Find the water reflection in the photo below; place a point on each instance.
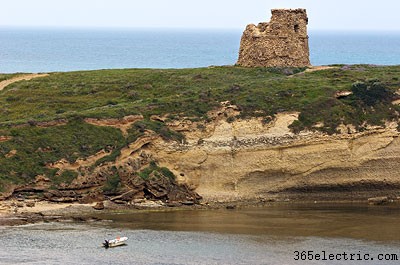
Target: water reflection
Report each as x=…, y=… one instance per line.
x=358, y=221
x=270, y=235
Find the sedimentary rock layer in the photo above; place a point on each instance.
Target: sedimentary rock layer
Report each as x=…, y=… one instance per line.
x=247, y=160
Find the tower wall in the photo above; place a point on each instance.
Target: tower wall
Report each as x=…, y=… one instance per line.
x=282, y=42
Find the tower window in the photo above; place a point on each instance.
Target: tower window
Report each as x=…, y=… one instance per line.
x=296, y=28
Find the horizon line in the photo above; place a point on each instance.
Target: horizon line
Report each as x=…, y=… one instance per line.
x=178, y=28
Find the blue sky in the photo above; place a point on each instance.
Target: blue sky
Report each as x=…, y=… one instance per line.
x=323, y=14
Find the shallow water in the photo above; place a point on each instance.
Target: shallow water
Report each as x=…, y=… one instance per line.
x=244, y=236
x=331, y=220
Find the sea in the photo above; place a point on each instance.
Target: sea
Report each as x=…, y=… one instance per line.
x=67, y=49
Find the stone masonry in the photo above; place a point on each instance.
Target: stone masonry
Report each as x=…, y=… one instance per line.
x=283, y=42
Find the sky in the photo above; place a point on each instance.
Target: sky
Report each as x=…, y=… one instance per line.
x=231, y=14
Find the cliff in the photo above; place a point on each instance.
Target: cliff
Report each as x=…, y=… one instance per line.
x=246, y=160
x=212, y=134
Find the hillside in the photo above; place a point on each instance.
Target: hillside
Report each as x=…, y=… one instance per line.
x=224, y=133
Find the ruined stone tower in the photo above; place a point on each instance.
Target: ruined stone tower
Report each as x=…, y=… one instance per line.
x=281, y=42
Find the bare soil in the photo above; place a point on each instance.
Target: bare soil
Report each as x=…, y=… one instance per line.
x=8, y=82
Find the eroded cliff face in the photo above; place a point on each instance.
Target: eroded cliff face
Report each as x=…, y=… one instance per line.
x=236, y=161
x=246, y=160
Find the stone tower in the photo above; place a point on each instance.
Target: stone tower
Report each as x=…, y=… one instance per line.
x=283, y=42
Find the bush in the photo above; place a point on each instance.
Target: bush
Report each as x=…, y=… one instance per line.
x=166, y=172
x=370, y=104
x=372, y=92
x=160, y=128
x=112, y=183
x=153, y=167
x=66, y=177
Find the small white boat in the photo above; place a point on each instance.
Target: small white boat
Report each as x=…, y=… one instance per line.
x=119, y=241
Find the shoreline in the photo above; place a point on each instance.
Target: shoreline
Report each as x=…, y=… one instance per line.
x=44, y=211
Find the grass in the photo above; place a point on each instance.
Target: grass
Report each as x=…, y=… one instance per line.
x=7, y=76
x=178, y=93
x=38, y=147
x=184, y=92
x=116, y=93
x=370, y=104
x=65, y=177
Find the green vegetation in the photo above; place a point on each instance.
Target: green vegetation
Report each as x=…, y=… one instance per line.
x=183, y=92
x=113, y=182
x=160, y=128
x=370, y=104
x=110, y=158
x=157, y=171
x=66, y=177
x=178, y=93
x=7, y=76
x=38, y=147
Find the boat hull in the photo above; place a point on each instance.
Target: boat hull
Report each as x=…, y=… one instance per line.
x=115, y=242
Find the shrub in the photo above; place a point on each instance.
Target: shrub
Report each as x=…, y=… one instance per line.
x=166, y=172
x=372, y=92
x=158, y=127
x=158, y=171
x=112, y=184
x=66, y=177
x=370, y=104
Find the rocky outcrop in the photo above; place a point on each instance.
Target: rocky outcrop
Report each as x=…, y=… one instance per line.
x=121, y=186
x=381, y=200
x=283, y=42
x=99, y=206
x=63, y=164
x=157, y=188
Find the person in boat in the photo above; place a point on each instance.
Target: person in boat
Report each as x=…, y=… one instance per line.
x=115, y=242
x=106, y=243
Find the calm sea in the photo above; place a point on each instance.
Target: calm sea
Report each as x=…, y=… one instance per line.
x=46, y=50
x=280, y=234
